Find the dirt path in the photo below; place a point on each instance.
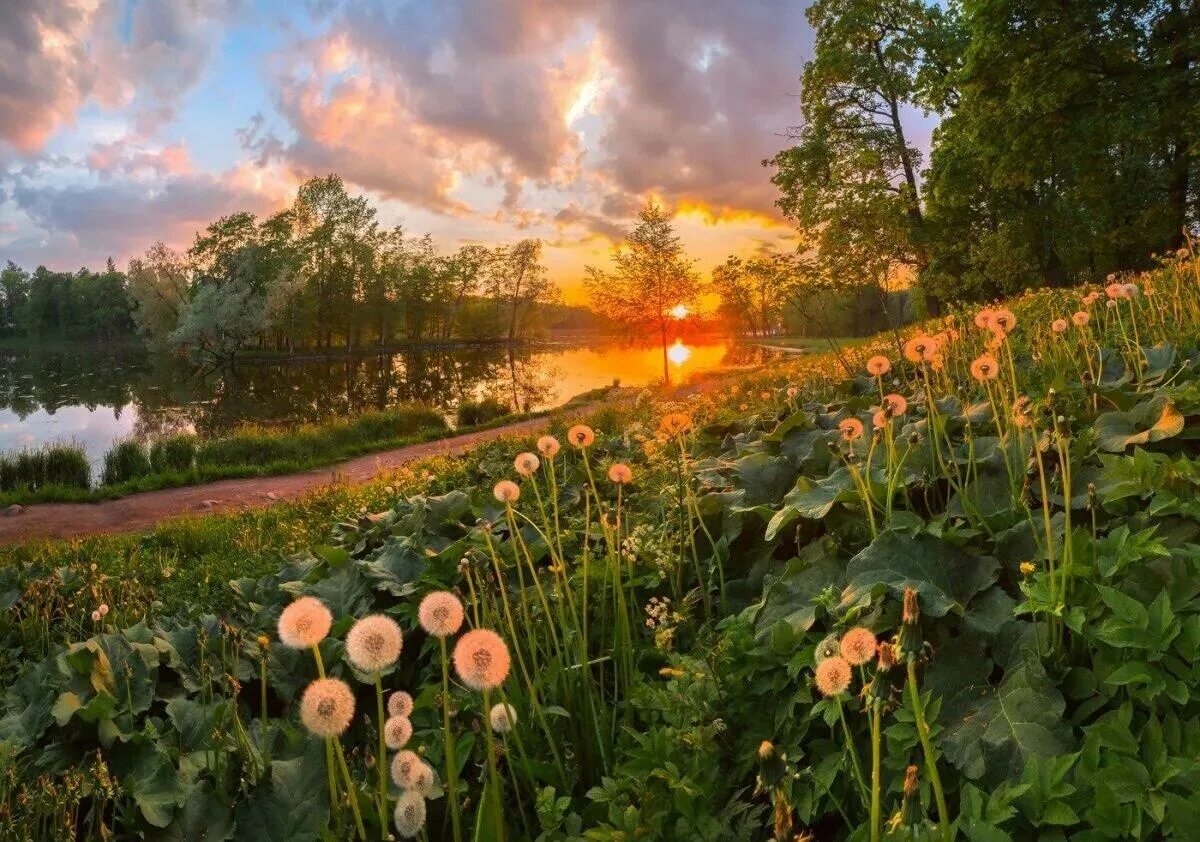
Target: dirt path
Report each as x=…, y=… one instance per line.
x=141, y=511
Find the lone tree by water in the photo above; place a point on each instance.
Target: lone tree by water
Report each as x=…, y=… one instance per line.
x=651, y=281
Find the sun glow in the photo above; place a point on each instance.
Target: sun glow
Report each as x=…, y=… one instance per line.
x=679, y=311
x=679, y=353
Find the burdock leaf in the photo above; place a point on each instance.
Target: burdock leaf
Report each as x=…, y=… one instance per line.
x=1021, y=719
x=293, y=806
x=945, y=577
x=1147, y=422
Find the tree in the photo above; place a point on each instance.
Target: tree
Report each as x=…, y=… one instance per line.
x=518, y=281
x=14, y=290
x=651, y=277
x=158, y=283
x=851, y=181
x=754, y=292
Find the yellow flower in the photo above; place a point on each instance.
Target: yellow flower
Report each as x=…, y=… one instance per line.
x=670, y=672
x=1027, y=567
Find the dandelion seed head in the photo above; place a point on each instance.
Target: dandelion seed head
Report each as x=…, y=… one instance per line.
x=406, y=768
x=898, y=404
x=374, y=643
x=481, y=659
x=985, y=368
x=858, y=646
x=919, y=348
x=581, y=436
x=878, y=365
x=833, y=675
x=327, y=707
x=1080, y=318
x=304, y=623
x=851, y=428
x=507, y=491
x=526, y=464
x=397, y=731
x=400, y=704
x=410, y=814
x=502, y=717
x=1059, y=325
x=620, y=474
x=440, y=614
x=548, y=446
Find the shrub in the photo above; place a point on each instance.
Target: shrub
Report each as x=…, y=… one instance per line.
x=127, y=460
x=173, y=453
x=63, y=465
x=395, y=422
x=471, y=413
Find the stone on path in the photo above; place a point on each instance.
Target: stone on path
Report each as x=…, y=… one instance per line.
x=14, y=509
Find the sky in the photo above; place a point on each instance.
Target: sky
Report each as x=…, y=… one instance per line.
x=124, y=122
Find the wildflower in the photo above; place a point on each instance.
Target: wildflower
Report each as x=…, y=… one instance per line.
x=103, y=609
x=880, y=419
x=858, y=646
x=670, y=672
x=406, y=768
x=1058, y=325
x=526, y=464
x=896, y=404
x=440, y=614
x=481, y=659
x=620, y=474
x=983, y=319
x=95, y=616
x=676, y=423
x=1027, y=567
x=374, y=643
x=410, y=814
x=400, y=704
x=919, y=348
x=502, y=717
x=878, y=365
x=985, y=368
x=851, y=428
x=833, y=676
x=1002, y=322
x=506, y=491
x=304, y=623
x=792, y=391
x=827, y=648
x=1130, y=290
x=397, y=731
x=327, y=707
x=548, y=446
x=1080, y=318
x=581, y=436
x=1114, y=291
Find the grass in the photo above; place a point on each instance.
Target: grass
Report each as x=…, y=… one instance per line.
x=55, y=466
x=810, y=343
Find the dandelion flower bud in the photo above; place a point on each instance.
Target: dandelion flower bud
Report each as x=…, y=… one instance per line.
x=410, y=814
x=910, y=642
x=620, y=474
x=440, y=614
x=911, y=814
x=548, y=446
x=581, y=436
x=481, y=659
x=526, y=464
x=502, y=717
x=878, y=365
x=400, y=704
x=264, y=642
x=374, y=643
x=507, y=491
x=912, y=608
x=397, y=731
x=771, y=768
x=327, y=707
x=833, y=676
x=304, y=623
x=858, y=646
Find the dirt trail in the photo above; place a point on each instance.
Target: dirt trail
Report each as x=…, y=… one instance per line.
x=141, y=511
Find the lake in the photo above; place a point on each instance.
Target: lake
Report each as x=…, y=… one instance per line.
x=95, y=394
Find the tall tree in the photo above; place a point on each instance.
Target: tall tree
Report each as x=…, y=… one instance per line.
x=851, y=181
x=517, y=281
x=158, y=283
x=650, y=278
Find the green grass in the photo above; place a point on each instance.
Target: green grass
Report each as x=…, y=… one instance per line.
x=809, y=343
x=52, y=466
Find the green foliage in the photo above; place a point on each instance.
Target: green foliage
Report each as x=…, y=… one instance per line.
x=173, y=453
x=472, y=413
x=54, y=466
x=126, y=460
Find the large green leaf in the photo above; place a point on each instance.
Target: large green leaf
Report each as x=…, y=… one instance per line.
x=293, y=806
x=1154, y=420
x=944, y=576
x=147, y=773
x=763, y=476
x=790, y=599
x=204, y=817
x=25, y=709
x=1021, y=719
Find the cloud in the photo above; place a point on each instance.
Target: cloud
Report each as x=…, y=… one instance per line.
x=595, y=225
x=127, y=158
x=58, y=55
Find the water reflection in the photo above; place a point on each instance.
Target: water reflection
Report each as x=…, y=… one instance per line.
x=95, y=395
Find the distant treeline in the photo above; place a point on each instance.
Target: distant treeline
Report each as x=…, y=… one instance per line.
x=323, y=273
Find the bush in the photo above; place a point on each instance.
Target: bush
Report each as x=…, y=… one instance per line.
x=472, y=413
x=173, y=453
x=63, y=465
x=127, y=460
